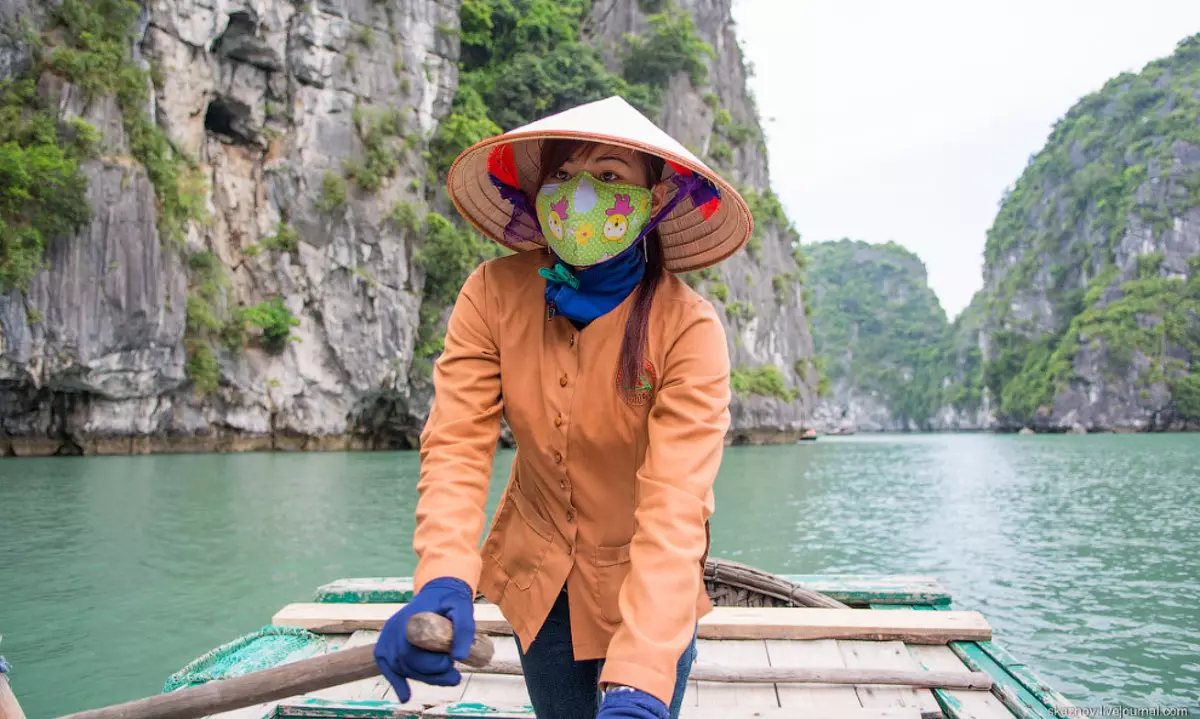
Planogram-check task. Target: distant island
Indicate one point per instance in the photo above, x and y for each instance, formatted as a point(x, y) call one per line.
point(1089, 317)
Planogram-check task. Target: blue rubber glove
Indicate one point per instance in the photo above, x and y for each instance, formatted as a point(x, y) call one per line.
point(400, 661)
point(635, 704)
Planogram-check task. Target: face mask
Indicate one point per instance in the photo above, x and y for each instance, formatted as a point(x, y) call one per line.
point(587, 221)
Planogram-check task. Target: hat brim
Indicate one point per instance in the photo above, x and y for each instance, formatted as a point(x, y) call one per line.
point(690, 240)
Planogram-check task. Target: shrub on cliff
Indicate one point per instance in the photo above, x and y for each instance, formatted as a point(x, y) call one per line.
point(274, 320)
point(43, 194)
point(90, 48)
point(766, 381)
point(672, 46)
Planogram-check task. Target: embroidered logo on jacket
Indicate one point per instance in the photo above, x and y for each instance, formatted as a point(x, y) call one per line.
point(643, 391)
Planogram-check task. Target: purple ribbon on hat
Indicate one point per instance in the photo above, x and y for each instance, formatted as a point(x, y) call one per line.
point(523, 225)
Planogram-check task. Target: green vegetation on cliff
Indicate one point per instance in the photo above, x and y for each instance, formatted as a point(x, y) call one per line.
point(524, 59)
point(43, 194)
point(877, 326)
point(89, 46)
point(1114, 158)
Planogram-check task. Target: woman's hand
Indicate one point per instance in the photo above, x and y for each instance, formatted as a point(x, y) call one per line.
point(629, 703)
point(400, 661)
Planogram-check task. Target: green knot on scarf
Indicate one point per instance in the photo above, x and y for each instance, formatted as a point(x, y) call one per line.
point(561, 275)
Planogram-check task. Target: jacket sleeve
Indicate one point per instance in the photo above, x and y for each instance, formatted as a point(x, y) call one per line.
point(687, 427)
point(458, 442)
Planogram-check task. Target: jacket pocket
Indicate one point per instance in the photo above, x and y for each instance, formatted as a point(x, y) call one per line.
point(521, 539)
point(612, 567)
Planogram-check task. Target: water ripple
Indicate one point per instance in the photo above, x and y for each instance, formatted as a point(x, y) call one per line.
point(1081, 551)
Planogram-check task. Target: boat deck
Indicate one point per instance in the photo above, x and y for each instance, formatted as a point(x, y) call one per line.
point(349, 613)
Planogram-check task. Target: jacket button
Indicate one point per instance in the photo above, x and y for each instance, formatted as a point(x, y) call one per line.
point(558, 421)
point(558, 458)
point(570, 516)
point(562, 483)
point(563, 381)
point(571, 342)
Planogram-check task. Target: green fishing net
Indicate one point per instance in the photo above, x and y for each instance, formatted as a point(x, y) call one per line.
point(266, 648)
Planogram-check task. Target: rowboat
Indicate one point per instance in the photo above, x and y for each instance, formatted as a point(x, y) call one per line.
point(774, 647)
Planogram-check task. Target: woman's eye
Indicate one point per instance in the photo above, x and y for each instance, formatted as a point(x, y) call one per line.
point(561, 175)
point(609, 176)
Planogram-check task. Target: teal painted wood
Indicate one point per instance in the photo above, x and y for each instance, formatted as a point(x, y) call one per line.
point(366, 590)
point(949, 704)
point(1023, 703)
point(473, 710)
point(862, 590)
point(1050, 698)
point(859, 590)
point(313, 708)
point(1025, 694)
point(1028, 678)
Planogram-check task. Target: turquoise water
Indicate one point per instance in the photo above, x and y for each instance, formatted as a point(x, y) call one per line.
point(1082, 551)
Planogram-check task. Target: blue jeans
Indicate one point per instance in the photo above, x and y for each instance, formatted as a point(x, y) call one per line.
point(562, 688)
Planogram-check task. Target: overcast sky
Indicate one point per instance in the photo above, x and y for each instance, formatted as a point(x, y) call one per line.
point(905, 119)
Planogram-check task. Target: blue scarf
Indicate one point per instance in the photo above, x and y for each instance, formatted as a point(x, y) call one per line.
point(583, 295)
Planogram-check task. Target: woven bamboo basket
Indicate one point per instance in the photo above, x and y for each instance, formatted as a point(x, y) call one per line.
point(731, 584)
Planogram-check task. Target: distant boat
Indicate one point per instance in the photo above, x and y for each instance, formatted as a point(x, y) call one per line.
point(810, 435)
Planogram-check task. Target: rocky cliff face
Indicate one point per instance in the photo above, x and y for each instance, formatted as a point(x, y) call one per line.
point(272, 287)
point(1091, 300)
point(266, 97)
point(759, 290)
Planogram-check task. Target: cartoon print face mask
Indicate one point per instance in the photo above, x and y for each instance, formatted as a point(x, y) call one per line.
point(587, 221)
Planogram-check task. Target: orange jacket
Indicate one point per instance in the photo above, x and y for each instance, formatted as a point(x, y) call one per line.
point(608, 497)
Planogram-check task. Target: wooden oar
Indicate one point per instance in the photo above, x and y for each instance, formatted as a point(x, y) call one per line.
point(9, 708)
point(433, 633)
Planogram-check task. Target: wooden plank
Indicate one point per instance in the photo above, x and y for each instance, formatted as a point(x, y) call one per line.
point(10, 708)
point(496, 690)
point(470, 710)
point(736, 654)
point(363, 689)
point(849, 588)
point(313, 708)
point(335, 618)
point(1020, 702)
point(888, 655)
point(691, 695)
point(1028, 678)
point(1050, 699)
point(333, 643)
point(812, 653)
point(793, 713)
point(721, 623)
point(862, 590)
point(958, 704)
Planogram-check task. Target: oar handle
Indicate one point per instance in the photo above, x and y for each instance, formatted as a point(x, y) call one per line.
point(434, 633)
point(425, 630)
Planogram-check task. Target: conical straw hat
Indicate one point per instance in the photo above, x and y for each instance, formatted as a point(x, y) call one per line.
point(694, 235)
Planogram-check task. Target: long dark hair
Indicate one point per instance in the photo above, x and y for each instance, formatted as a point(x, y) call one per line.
point(637, 327)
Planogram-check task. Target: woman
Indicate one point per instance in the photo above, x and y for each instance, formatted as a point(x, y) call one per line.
point(596, 553)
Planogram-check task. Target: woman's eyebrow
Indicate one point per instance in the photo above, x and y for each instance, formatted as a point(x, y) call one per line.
point(615, 158)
